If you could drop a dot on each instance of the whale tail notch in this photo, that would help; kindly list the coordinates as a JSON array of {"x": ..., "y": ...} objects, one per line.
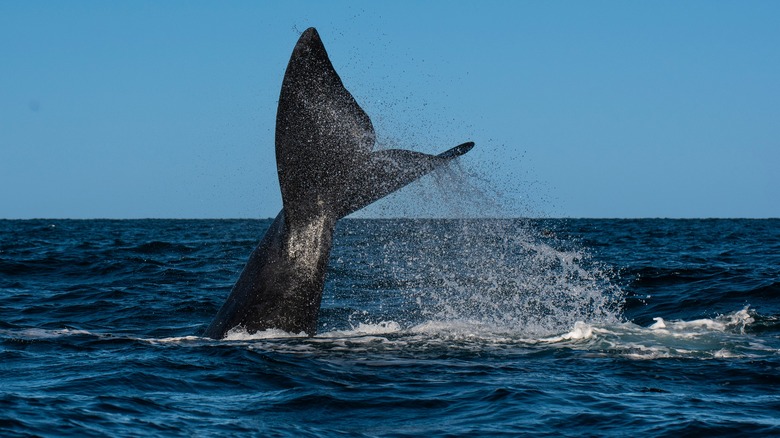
[{"x": 315, "y": 109}]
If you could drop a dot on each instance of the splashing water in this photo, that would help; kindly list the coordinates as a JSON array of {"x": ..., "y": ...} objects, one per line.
[{"x": 501, "y": 275}]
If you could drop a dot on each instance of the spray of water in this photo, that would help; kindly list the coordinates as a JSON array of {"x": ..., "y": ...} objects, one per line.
[{"x": 493, "y": 275}]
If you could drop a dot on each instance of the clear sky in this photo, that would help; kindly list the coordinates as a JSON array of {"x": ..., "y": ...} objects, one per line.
[{"x": 579, "y": 109}]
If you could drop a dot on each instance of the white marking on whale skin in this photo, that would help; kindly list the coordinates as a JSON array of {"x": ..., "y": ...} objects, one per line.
[{"x": 307, "y": 244}]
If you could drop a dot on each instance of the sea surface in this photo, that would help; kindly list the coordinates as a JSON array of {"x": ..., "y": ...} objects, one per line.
[{"x": 428, "y": 328}]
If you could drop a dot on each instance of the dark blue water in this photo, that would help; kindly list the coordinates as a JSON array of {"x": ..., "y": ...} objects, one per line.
[{"x": 487, "y": 327}]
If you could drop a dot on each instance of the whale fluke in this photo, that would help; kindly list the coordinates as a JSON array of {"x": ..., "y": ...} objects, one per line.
[{"x": 327, "y": 169}]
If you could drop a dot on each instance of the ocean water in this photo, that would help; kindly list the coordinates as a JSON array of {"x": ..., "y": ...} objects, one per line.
[{"x": 428, "y": 327}]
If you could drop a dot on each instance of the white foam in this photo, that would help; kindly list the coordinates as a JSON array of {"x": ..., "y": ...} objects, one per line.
[
  {"x": 363, "y": 329},
  {"x": 173, "y": 340},
  {"x": 721, "y": 337},
  {"x": 725, "y": 354},
  {"x": 737, "y": 320},
  {"x": 240, "y": 333},
  {"x": 659, "y": 324},
  {"x": 37, "y": 333},
  {"x": 580, "y": 331},
  {"x": 464, "y": 328}
]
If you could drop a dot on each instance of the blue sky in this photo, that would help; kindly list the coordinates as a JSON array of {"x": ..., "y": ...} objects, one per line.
[{"x": 579, "y": 109}]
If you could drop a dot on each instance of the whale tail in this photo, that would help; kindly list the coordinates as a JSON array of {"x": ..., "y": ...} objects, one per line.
[
  {"x": 315, "y": 109},
  {"x": 327, "y": 169}
]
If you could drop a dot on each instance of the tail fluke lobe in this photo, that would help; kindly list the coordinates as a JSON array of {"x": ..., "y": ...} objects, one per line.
[
  {"x": 389, "y": 170},
  {"x": 457, "y": 150},
  {"x": 324, "y": 143},
  {"x": 322, "y": 134}
]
